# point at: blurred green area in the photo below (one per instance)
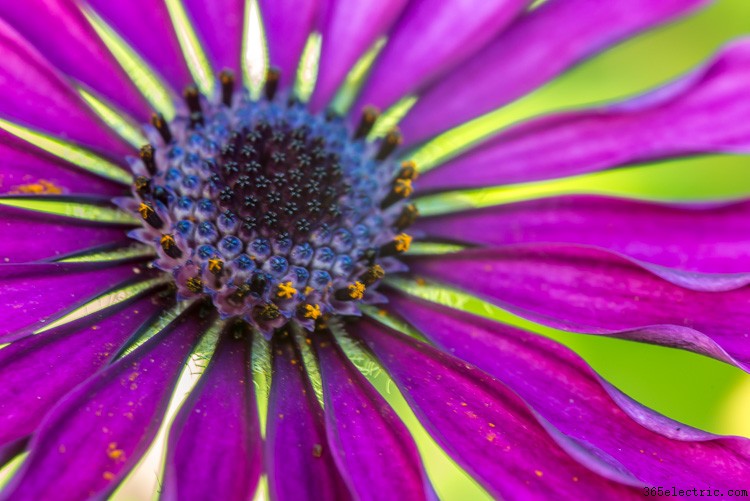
(693, 389)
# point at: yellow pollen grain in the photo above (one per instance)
(286, 290)
(312, 311)
(41, 187)
(403, 187)
(308, 290)
(538, 473)
(108, 475)
(357, 290)
(403, 242)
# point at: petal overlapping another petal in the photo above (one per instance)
(565, 391)
(215, 445)
(536, 48)
(90, 441)
(484, 426)
(372, 447)
(590, 290)
(706, 111)
(707, 238)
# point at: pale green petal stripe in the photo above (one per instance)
(70, 152)
(355, 78)
(432, 248)
(462, 301)
(392, 117)
(192, 48)
(129, 252)
(388, 319)
(261, 368)
(165, 318)
(73, 209)
(148, 82)
(254, 50)
(117, 120)
(454, 201)
(105, 301)
(307, 71)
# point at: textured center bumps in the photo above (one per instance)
(275, 213)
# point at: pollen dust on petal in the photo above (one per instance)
(114, 453)
(41, 187)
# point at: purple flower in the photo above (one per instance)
(269, 228)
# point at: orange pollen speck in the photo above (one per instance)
(41, 187)
(357, 290)
(403, 242)
(403, 187)
(145, 211)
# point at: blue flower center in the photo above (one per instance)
(275, 213)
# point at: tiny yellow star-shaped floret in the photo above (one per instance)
(286, 290)
(215, 265)
(312, 311)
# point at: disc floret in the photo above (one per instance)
(275, 213)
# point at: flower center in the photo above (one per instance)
(275, 213)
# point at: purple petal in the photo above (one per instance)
(26, 237)
(704, 238)
(26, 169)
(147, 27)
(562, 388)
(299, 463)
(431, 38)
(37, 371)
(349, 29)
(220, 24)
(585, 289)
(371, 445)
(287, 26)
(484, 426)
(35, 95)
(215, 444)
(35, 294)
(541, 45)
(703, 112)
(89, 442)
(77, 50)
